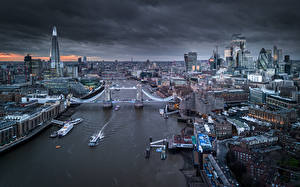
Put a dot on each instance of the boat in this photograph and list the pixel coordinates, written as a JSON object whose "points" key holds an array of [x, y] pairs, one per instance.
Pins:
{"points": [[161, 111], [147, 153], [94, 140], [65, 129], [53, 134], [117, 108], [76, 121]]}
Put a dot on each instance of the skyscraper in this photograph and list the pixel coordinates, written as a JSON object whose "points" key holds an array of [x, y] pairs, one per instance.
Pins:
{"points": [[264, 60], [238, 44], [215, 61], [190, 60], [56, 65], [228, 56], [277, 58], [235, 53], [34, 67]]}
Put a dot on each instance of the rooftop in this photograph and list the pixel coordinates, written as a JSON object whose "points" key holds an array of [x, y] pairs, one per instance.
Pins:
{"points": [[237, 123]]}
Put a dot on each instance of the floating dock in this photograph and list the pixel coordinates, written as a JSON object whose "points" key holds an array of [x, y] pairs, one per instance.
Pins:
{"points": [[176, 141]]}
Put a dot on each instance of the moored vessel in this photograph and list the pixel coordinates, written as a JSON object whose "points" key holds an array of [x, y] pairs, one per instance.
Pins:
{"points": [[65, 129], [76, 121]]}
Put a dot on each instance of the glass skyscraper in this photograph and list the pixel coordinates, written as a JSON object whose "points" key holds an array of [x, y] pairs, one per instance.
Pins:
{"points": [[56, 65], [190, 61]]}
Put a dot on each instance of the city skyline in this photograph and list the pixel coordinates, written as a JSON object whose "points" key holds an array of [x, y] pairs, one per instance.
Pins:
{"points": [[155, 30]]}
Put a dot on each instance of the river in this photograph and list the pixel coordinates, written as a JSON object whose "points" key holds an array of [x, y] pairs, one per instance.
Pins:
{"points": [[118, 160]]}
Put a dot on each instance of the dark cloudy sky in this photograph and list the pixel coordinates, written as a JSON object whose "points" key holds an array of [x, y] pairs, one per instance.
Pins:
{"points": [[147, 29]]}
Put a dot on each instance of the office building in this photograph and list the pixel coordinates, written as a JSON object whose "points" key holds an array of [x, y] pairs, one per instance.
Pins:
{"points": [[34, 67], [238, 45], [264, 59], [281, 117], [259, 95], [190, 60], [228, 56], [277, 57]]}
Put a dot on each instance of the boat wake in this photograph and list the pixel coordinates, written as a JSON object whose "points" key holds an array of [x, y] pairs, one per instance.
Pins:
{"points": [[94, 140], [101, 132]]}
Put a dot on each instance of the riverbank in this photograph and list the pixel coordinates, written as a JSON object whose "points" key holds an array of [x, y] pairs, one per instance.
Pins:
{"points": [[63, 116]]}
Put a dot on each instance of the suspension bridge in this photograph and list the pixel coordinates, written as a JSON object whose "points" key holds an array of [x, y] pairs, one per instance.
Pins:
{"points": [[106, 89]]}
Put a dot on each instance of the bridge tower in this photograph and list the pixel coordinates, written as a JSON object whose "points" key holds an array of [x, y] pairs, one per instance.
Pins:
{"points": [[139, 97], [107, 93]]}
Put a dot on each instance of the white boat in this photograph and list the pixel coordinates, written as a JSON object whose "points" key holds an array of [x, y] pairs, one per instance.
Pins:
{"points": [[65, 129], [94, 140], [76, 121], [161, 111]]}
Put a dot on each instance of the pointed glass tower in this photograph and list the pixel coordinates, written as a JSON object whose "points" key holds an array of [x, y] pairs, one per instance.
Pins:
{"points": [[54, 55]]}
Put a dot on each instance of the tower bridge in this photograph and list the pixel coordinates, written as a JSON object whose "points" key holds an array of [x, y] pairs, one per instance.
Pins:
{"points": [[109, 101]]}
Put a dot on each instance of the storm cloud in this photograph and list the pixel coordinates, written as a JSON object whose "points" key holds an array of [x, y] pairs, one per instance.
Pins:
{"points": [[147, 29]]}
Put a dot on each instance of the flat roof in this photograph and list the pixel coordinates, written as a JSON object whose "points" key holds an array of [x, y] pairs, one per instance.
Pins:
{"points": [[282, 98]]}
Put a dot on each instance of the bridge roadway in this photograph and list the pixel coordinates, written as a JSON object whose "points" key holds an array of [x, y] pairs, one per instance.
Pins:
{"points": [[101, 90]]}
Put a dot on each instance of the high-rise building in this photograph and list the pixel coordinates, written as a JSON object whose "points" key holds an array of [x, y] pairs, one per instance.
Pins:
{"points": [[84, 59], [228, 56], [215, 60], [264, 60], [235, 53], [275, 55], [287, 66], [56, 64], [34, 68], [277, 58], [248, 61], [238, 45], [190, 60], [186, 62]]}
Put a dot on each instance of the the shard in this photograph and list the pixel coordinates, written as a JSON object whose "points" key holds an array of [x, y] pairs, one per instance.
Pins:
{"points": [[56, 65]]}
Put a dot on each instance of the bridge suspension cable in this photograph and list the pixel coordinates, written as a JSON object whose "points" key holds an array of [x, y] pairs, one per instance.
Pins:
{"points": [[90, 100], [157, 98]]}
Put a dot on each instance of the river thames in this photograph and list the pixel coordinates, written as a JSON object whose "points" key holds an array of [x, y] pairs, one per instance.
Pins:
{"points": [[118, 160]]}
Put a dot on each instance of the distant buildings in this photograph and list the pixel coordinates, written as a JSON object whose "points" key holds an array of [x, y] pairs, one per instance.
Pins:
{"points": [[13, 73], [215, 61], [236, 56]]}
